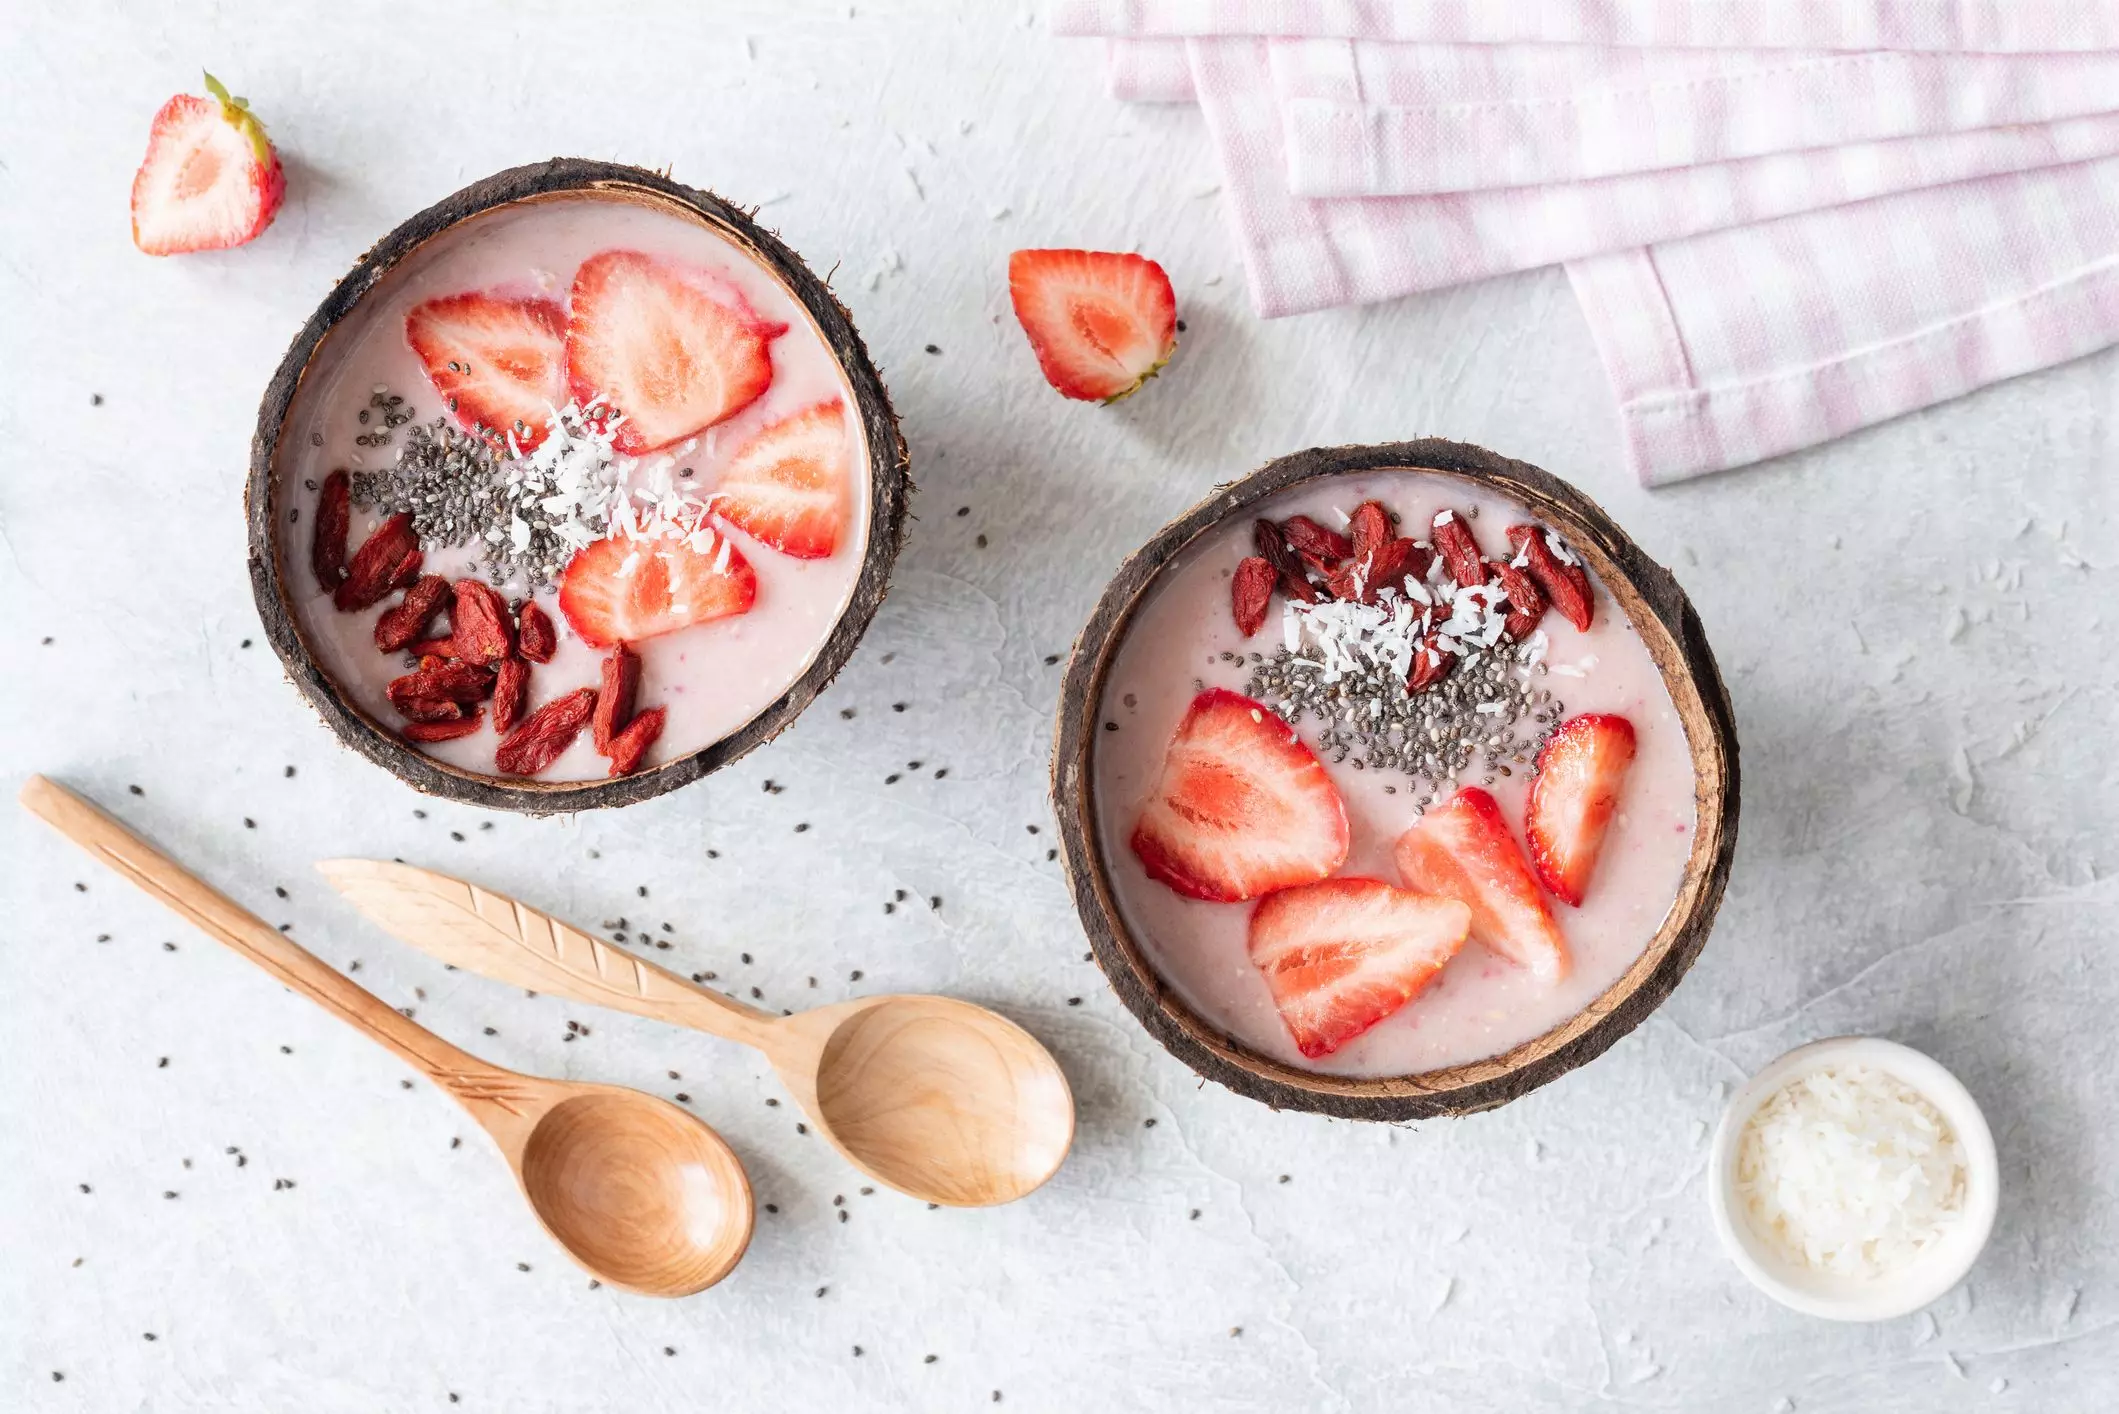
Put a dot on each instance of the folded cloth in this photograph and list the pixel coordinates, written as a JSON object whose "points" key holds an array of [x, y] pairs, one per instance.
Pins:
{"points": [[1747, 343], [1370, 119], [1302, 254], [1992, 26]]}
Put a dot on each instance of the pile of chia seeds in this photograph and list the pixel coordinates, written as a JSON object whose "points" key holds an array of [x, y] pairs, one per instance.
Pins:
{"points": [[460, 491], [1370, 722]]}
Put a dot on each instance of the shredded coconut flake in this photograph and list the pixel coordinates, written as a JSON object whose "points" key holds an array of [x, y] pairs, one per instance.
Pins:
{"points": [[1850, 1170]]}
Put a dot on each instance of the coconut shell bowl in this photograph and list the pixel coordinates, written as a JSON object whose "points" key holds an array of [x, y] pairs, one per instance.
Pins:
{"points": [[1632, 585], [276, 494]]}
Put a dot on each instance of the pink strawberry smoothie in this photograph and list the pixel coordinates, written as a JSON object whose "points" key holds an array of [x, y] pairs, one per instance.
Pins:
{"points": [[1481, 1005], [713, 677]]}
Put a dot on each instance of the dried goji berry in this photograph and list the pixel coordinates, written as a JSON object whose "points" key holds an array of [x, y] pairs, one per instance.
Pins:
{"points": [[1368, 527], [1250, 592], [534, 634], [444, 682], [1274, 549], [1459, 548], [1567, 586], [511, 693], [478, 623], [407, 619], [444, 731], [388, 559], [630, 745], [544, 737], [614, 704], [327, 530], [1309, 539], [1526, 602], [1431, 664]]}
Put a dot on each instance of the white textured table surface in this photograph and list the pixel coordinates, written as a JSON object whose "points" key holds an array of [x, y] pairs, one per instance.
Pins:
{"points": [[1924, 686]]}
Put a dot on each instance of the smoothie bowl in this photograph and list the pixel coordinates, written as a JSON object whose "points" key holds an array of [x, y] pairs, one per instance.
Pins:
{"points": [[579, 486], [1394, 781]]}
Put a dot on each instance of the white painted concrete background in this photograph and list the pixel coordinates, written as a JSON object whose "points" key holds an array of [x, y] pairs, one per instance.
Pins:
{"points": [[1927, 847]]}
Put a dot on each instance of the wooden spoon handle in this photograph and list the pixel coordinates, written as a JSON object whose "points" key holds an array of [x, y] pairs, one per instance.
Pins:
{"points": [[495, 936], [465, 1076]]}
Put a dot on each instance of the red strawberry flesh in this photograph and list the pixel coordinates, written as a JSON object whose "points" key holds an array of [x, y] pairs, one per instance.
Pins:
{"points": [[791, 485], [497, 362], [1580, 771], [1242, 806], [210, 179], [1100, 323], [1341, 955], [674, 348], [626, 591], [1462, 849]]}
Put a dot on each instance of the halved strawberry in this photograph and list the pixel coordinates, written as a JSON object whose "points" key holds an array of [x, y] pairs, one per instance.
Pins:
{"points": [[1100, 323], [789, 485], [1242, 806], [210, 179], [623, 591], [1462, 850], [496, 361], [1580, 770], [672, 347], [1342, 955]]}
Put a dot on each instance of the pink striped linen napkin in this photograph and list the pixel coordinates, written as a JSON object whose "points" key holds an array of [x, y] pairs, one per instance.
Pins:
{"points": [[1786, 384], [1370, 119], [1973, 26]]}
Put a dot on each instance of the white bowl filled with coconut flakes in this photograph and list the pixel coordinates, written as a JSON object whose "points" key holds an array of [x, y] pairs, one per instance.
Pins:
{"points": [[1854, 1179]]}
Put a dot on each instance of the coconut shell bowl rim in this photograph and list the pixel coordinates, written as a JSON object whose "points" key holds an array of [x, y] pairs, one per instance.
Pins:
{"points": [[274, 560], [1660, 612]]}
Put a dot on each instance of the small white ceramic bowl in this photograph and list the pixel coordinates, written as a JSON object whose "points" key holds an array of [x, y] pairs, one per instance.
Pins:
{"points": [[1840, 1298]]}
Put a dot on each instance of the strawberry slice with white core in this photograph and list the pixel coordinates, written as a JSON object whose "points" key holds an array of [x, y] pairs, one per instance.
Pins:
{"points": [[672, 347], [622, 591], [1242, 806], [1100, 323], [789, 486], [1342, 955], [1462, 850], [498, 362], [1580, 770], [210, 179]]}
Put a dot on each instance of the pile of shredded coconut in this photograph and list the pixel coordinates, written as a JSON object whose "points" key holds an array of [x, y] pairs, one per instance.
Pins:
{"points": [[1850, 1170], [1346, 636]]}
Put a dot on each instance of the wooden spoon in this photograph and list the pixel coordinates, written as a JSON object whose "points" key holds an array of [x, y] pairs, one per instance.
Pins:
{"points": [[641, 1194], [936, 1097]]}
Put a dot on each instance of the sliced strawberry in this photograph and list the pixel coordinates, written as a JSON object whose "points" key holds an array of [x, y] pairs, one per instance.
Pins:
{"points": [[1462, 850], [672, 347], [625, 591], [1100, 323], [1580, 770], [210, 179], [1242, 807], [497, 362], [1566, 585], [1342, 955], [790, 486]]}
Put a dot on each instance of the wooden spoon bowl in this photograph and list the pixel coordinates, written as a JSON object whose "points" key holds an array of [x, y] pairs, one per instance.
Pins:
{"points": [[275, 560], [637, 1190], [1643, 590]]}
